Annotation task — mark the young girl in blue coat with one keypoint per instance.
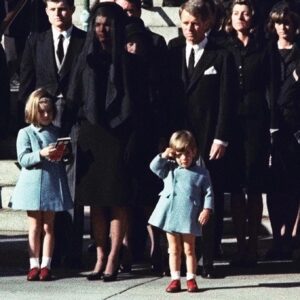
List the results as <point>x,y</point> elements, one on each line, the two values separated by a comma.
<point>185,204</point>
<point>42,188</point>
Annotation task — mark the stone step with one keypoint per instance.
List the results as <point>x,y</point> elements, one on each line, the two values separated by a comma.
<point>13,220</point>
<point>161,17</point>
<point>9,174</point>
<point>167,32</point>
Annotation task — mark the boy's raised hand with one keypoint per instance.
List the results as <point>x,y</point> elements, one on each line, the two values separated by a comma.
<point>169,153</point>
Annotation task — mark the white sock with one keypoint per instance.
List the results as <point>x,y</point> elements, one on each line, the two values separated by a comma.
<point>46,262</point>
<point>190,276</point>
<point>175,275</point>
<point>34,262</point>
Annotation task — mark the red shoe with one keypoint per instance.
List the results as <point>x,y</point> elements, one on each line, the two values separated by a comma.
<point>192,286</point>
<point>45,274</point>
<point>174,286</point>
<point>33,274</point>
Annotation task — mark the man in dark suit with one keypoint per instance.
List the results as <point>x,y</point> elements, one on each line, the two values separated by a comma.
<point>41,65</point>
<point>48,60</point>
<point>200,76</point>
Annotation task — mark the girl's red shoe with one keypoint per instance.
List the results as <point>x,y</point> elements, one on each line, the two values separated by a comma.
<point>33,274</point>
<point>45,274</point>
<point>192,286</point>
<point>174,286</point>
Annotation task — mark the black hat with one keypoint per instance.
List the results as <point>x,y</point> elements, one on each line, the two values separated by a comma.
<point>135,26</point>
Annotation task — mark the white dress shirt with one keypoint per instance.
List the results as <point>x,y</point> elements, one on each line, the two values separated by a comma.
<point>66,42</point>
<point>198,50</point>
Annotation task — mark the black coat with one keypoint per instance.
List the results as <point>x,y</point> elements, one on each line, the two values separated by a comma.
<point>249,146</point>
<point>109,134</point>
<point>285,112</point>
<point>203,104</point>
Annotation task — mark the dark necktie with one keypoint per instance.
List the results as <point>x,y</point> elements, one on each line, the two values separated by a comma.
<point>191,63</point>
<point>60,48</point>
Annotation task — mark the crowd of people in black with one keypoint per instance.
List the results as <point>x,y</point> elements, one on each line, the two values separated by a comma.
<point>231,78</point>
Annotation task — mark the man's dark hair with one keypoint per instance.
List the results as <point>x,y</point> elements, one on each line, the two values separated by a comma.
<point>197,8</point>
<point>69,2</point>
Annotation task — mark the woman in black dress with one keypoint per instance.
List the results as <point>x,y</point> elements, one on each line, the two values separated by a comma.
<point>249,144</point>
<point>154,131</point>
<point>283,196</point>
<point>103,97</point>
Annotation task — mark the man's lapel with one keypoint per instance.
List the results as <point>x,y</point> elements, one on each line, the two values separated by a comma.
<point>204,63</point>
<point>47,53</point>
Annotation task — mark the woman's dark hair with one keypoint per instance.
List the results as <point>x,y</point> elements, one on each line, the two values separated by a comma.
<point>228,23</point>
<point>280,13</point>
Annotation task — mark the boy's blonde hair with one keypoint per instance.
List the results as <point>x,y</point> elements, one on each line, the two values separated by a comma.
<point>32,105</point>
<point>183,140</point>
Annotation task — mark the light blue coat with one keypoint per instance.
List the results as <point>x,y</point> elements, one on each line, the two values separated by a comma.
<point>187,191</point>
<point>42,185</point>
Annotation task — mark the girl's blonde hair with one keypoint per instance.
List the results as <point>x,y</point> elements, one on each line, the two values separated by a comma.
<point>182,141</point>
<point>32,105</point>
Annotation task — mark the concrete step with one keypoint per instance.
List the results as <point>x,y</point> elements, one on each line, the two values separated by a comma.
<point>161,17</point>
<point>13,220</point>
<point>9,174</point>
<point>167,32</point>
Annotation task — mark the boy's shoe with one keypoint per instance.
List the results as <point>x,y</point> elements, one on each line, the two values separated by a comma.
<point>33,274</point>
<point>45,274</point>
<point>192,286</point>
<point>174,286</point>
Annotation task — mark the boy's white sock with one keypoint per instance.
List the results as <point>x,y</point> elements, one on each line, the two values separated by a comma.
<point>175,275</point>
<point>34,262</point>
<point>46,262</point>
<point>190,276</point>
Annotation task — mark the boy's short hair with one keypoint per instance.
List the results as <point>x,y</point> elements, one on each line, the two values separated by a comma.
<point>32,105</point>
<point>69,2</point>
<point>183,140</point>
<point>198,8</point>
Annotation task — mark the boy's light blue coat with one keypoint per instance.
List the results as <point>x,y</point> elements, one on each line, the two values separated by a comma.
<point>186,192</point>
<point>42,184</point>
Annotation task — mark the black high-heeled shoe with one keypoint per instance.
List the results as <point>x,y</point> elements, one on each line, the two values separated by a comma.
<point>110,277</point>
<point>95,276</point>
